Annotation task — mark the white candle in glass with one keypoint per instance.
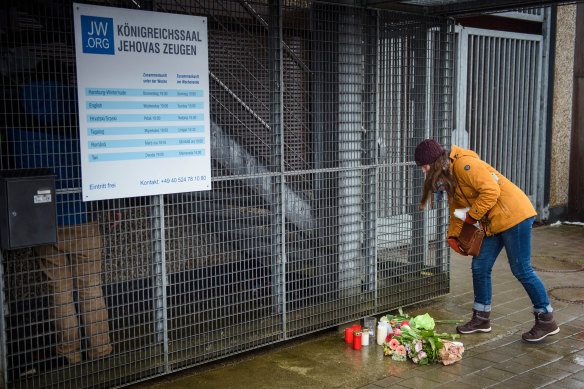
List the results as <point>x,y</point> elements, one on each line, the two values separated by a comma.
<point>365,337</point>
<point>381,334</point>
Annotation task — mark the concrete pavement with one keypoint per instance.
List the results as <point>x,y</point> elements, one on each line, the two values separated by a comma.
<point>493,360</point>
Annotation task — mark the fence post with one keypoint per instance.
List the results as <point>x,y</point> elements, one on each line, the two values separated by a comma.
<point>277,158</point>
<point>349,141</point>
<point>370,151</point>
<point>3,311</point>
<point>418,247</point>
<point>444,124</point>
<point>159,276</point>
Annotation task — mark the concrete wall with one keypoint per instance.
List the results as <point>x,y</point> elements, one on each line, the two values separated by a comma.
<point>562,105</point>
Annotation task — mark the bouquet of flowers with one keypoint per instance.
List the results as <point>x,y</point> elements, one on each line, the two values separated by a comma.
<point>451,352</point>
<point>419,342</point>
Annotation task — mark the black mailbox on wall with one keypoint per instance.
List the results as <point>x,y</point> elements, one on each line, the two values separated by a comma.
<point>28,212</point>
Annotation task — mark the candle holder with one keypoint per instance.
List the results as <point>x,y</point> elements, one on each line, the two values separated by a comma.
<point>365,337</point>
<point>370,322</point>
<point>348,335</point>
<point>357,340</point>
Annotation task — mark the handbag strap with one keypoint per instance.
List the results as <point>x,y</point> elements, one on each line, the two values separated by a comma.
<point>461,191</point>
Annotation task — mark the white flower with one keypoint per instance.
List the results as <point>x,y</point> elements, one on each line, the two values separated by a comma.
<point>418,347</point>
<point>422,355</point>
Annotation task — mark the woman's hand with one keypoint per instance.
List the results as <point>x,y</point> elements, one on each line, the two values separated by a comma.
<point>469,219</point>
<point>453,242</point>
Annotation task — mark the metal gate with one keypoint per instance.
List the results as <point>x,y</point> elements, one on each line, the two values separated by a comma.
<point>312,221</point>
<point>499,104</point>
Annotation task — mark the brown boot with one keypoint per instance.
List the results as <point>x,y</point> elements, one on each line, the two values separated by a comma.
<point>545,325</point>
<point>479,323</point>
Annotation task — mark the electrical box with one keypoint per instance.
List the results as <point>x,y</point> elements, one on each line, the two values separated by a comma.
<point>28,212</point>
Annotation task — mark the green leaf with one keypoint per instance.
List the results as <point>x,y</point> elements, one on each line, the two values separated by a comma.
<point>432,343</point>
<point>424,321</point>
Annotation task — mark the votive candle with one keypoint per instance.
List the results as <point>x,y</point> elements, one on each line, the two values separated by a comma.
<point>357,338</point>
<point>349,335</point>
<point>365,337</point>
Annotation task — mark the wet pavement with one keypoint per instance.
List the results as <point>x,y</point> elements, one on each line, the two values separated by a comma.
<point>493,360</point>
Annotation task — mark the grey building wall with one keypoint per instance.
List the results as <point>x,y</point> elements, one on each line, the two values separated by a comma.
<point>562,105</point>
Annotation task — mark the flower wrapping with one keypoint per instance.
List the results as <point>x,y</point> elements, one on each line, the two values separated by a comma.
<point>450,352</point>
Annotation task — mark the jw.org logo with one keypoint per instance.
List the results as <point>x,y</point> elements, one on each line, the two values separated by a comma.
<point>97,35</point>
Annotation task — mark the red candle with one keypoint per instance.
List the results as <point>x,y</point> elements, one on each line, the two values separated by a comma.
<point>348,335</point>
<point>357,340</point>
<point>356,327</point>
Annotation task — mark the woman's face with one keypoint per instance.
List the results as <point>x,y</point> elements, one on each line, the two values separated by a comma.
<point>425,168</point>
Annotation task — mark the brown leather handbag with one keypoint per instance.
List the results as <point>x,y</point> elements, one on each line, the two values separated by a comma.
<point>471,238</point>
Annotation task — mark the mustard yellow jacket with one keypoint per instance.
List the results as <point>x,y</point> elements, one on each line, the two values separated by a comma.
<point>494,200</point>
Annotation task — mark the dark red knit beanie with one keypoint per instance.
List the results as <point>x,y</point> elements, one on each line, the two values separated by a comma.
<point>427,152</point>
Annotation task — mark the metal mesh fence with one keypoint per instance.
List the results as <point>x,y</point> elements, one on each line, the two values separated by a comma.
<point>500,115</point>
<point>312,221</point>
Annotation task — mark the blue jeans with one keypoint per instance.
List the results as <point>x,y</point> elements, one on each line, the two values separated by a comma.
<point>517,242</point>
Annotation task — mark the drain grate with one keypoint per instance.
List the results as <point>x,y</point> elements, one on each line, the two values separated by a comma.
<point>553,264</point>
<point>568,294</point>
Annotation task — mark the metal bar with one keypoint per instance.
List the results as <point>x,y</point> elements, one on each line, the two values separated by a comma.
<point>499,91</point>
<point>532,97</point>
<point>476,55</point>
<point>521,174</point>
<point>541,118</point>
<point>369,150</point>
<point>520,109</point>
<point>461,137</point>
<point>518,167</point>
<point>377,187</point>
<point>447,37</point>
<point>512,111</point>
<point>349,136</point>
<point>529,115</point>
<point>3,340</point>
<point>417,251</point>
<point>474,8</point>
<point>278,194</point>
<point>502,34</point>
<point>160,276</point>
<point>488,74</point>
<point>533,15</point>
<point>506,106</point>
<point>480,108</point>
